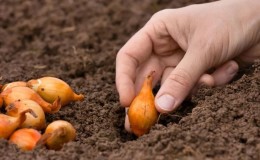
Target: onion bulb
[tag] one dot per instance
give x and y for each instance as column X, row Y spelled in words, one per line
column 20, row 93
column 142, row 113
column 14, row 84
column 58, row 133
column 15, row 108
column 25, row 138
column 9, row 124
column 50, row 88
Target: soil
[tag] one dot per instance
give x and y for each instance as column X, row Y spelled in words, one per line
column 77, row 41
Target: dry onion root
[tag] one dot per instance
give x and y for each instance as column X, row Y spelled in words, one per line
column 50, row 88
column 142, row 112
column 9, row 124
column 14, row 109
column 57, row 134
column 25, row 138
column 22, row 93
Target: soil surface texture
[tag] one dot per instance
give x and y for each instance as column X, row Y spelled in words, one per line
column 77, row 41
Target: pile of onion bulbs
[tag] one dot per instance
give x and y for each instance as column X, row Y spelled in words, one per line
column 25, row 105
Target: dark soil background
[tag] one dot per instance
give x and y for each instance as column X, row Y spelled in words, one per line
column 77, row 41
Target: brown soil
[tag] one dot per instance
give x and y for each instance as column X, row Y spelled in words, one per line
column 77, row 41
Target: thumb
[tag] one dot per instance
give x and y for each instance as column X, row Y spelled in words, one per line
column 180, row 82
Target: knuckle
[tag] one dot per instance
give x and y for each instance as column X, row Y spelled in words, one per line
column 181, row 78
column 159, row 22
column 161, row 13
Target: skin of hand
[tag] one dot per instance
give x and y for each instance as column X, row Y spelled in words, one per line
column 182, row 44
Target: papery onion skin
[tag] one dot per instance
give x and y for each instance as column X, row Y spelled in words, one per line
column 22, row 93
column 13, row 84
column 60, row 132
column 142, row 113
column 25, row 138
column 49, row 88
column 17, row 107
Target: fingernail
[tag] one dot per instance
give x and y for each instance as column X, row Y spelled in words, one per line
column 231, row 70
column 166, row 102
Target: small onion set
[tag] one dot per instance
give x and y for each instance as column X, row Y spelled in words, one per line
column 142, row 113
column 26, row 105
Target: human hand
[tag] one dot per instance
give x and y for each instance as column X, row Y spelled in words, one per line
column 181, row 45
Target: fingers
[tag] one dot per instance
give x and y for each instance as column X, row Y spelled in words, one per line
column 134, row 52
column 221, row 76
column 180, row 82
column 153, row 64
column 157, row 64
column 163, row 43
column 167, row 71
column 127, row 123
column 205, row 80
column 249, row 56
column 152, row 38
column 225, row 73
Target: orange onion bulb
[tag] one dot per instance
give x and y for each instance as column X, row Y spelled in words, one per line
column 25, row 138
column 59, row 132
column 50, row 88
column 15, row 108
column 20, row 93
column 142, row 113
column 14, row 84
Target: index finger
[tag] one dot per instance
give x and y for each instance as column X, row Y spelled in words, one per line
column 131, row 55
